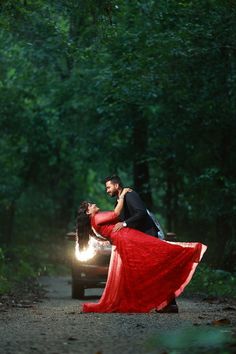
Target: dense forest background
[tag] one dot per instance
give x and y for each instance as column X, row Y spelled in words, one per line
column 145, row 89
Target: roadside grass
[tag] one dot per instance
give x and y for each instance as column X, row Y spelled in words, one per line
column 20, row 263
column 212, row 282
column 193, row 340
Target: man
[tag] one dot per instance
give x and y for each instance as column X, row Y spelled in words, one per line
column 134, row 213
column 136, row 216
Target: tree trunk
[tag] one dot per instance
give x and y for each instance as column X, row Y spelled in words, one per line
column 171, row 196
column 8, row 224
column 223, row 220
column 140, row 163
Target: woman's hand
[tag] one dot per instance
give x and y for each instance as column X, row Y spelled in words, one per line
column 120, row 201
column 124, row 192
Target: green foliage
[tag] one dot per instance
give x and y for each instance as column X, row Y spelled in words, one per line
column 196, row 340
column 145, row 89
column 23, row 262
column 4, row 284
column 213, row 282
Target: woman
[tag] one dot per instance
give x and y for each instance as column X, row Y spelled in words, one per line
column 145, row 273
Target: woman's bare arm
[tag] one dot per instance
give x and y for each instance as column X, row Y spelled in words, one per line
column 120, row 201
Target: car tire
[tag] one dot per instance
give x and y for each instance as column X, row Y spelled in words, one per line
column 77, row 290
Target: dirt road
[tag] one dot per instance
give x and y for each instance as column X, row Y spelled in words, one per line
column 56, row 325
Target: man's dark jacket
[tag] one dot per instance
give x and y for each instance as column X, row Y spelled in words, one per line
column 134, row 213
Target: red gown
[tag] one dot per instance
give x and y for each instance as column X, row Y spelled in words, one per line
column 145, row 272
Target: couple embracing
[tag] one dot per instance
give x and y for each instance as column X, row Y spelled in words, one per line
column 145, row 273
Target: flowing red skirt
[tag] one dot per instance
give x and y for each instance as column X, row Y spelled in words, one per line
column 146, row 273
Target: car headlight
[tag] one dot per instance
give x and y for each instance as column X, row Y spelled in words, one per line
column 85, row 255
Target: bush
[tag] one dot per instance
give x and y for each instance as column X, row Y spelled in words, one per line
column 213, row 282
column 23, row 262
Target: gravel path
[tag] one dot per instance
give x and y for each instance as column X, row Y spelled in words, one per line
column 56, row 326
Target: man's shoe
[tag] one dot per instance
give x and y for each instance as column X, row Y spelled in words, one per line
column 169, row 309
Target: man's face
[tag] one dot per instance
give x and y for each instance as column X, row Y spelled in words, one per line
column 112, row 188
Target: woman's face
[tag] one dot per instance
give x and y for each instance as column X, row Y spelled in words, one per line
column 92, row 209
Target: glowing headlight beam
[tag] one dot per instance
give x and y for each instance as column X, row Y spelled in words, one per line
column 85, row 255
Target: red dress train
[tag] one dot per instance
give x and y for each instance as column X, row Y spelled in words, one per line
column 145, row 272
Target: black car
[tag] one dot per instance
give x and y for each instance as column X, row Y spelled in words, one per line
column 91, row 271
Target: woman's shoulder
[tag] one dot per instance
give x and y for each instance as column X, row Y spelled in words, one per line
column 104, row 216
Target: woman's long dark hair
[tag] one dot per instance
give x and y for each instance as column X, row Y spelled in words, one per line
column 83, row 226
